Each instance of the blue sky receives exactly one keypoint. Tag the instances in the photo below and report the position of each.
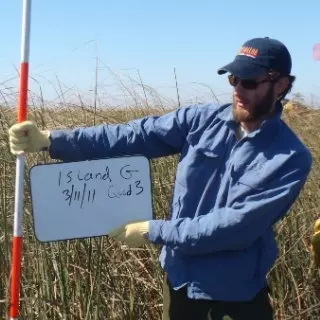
(154, 37)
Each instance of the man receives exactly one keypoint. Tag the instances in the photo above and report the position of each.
(241, 168)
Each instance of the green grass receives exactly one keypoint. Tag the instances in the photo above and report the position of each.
(98, 279)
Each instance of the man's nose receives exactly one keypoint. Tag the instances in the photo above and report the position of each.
(238, 88)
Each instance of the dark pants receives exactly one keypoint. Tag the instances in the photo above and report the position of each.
(177, 306)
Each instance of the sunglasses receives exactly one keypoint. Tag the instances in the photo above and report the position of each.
(248, 84)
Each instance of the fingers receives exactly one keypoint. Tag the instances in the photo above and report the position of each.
(125, 228)
(19, 148)
(18, 140)
(16, 152)
(116, 232)
(120, 234)
(21, 136)
(20, 129)
(121, 237)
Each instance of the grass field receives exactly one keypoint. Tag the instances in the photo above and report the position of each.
(97, 279)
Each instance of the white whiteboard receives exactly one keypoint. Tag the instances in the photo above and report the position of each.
(89, 198)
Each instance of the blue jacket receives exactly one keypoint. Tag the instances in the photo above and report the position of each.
(219, 240)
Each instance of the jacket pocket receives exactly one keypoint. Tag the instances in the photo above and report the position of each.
(227, 267)
(253, 175)
(199, 160)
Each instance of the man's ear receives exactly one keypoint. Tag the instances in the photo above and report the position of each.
(281, 85)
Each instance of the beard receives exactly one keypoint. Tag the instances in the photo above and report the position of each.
(259, 111)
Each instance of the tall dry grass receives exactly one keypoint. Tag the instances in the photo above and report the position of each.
(98, 279)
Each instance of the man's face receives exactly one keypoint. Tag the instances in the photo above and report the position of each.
(250, 105)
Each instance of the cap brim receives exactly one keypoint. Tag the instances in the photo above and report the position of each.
(242, 69)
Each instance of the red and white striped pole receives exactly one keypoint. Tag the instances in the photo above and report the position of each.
(18, 205)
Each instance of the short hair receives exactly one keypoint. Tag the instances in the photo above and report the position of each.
(274, 76)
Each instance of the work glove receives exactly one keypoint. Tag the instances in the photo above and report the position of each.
(315, 244)
(26, 137)
(134, 234)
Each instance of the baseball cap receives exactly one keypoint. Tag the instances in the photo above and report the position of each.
(258, 55)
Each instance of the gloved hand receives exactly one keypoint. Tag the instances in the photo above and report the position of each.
(26, 137)
(315, 244)
(132, 234)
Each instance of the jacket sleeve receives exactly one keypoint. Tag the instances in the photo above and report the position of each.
(152, 136)
(240, 225)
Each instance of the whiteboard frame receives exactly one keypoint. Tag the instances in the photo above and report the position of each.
(88, 160)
